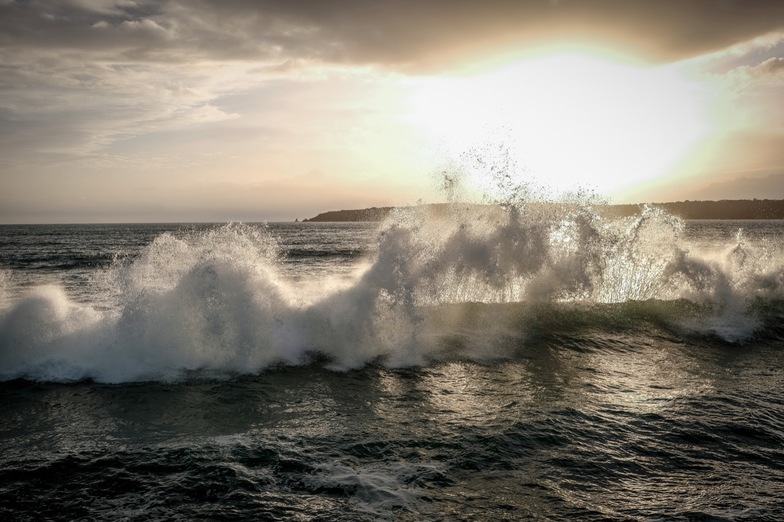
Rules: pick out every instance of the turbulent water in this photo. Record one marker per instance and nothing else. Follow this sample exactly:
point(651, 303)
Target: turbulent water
point(476, 363)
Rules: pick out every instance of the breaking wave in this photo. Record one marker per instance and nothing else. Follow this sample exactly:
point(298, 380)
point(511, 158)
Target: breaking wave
point(443, 282)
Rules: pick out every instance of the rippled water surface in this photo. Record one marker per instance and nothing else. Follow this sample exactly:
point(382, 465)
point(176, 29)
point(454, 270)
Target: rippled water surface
point(626, 428)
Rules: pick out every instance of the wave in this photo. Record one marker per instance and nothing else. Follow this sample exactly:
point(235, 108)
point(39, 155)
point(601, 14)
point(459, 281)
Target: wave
point(476, 282)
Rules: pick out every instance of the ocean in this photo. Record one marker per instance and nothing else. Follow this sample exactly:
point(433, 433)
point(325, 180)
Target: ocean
point(521, 363)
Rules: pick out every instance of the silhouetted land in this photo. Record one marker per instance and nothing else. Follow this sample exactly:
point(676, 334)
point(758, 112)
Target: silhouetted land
point(365, 214)
point(724, 209)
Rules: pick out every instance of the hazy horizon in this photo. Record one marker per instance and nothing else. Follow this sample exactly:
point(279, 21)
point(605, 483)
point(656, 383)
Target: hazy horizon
point(116, 111)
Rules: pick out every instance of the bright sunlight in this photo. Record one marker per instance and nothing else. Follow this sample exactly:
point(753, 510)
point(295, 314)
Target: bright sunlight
point(572, 120)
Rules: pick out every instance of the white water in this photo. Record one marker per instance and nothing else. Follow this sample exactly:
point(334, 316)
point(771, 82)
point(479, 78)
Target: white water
point(218, 302)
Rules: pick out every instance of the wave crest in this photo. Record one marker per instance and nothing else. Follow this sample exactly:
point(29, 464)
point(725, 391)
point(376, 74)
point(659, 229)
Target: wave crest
point(454, 280)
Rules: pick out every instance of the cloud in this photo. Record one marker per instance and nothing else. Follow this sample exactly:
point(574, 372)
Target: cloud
point(748, 78)
point(71, 108)
point(404, 33)
point(417, 34)
point(769, 67)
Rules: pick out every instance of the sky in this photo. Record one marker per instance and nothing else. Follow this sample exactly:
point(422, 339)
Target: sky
point(268, 110)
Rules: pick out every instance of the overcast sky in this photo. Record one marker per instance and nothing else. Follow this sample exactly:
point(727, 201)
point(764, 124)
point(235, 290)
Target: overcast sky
point(189, 110)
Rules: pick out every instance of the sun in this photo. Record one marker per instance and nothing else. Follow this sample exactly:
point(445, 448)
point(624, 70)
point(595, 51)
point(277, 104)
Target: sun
point(573, 120)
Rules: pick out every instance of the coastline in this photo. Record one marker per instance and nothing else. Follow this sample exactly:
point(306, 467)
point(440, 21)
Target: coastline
point(723, 209)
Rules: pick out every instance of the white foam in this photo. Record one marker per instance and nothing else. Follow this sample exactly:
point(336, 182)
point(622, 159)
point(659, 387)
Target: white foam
point(217, 302)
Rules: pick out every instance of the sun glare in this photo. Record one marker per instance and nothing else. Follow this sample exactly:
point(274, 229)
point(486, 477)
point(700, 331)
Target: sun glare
point(571, 120)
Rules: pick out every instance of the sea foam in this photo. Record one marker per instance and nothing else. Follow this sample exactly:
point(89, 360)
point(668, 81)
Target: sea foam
point(216, 303)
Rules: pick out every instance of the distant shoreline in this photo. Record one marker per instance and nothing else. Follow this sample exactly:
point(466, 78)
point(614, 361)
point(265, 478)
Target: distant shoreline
point(724, 209)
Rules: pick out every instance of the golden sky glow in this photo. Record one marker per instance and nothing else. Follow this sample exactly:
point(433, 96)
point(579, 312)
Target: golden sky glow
point(571, 118)
point(131, 110)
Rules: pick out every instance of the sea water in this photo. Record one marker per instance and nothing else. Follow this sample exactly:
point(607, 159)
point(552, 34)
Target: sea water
point(478, 363)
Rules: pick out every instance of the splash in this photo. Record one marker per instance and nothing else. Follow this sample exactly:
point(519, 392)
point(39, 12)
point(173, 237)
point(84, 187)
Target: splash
point(445, 281)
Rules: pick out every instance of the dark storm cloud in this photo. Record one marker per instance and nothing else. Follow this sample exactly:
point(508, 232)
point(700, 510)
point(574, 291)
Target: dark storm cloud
point(395, 33)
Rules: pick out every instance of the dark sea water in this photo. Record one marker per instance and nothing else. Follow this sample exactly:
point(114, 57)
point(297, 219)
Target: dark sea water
point(534, 364)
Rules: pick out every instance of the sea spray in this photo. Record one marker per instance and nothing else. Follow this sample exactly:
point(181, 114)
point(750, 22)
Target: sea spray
point(728, 282)
point(463, 253)
point(212, 301)
point(443, 282)
point(201, 302)
point(5, 283)
point(48, 336)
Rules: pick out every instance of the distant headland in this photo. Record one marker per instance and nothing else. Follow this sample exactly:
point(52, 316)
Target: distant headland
point(724, 209)
point(365, 214)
